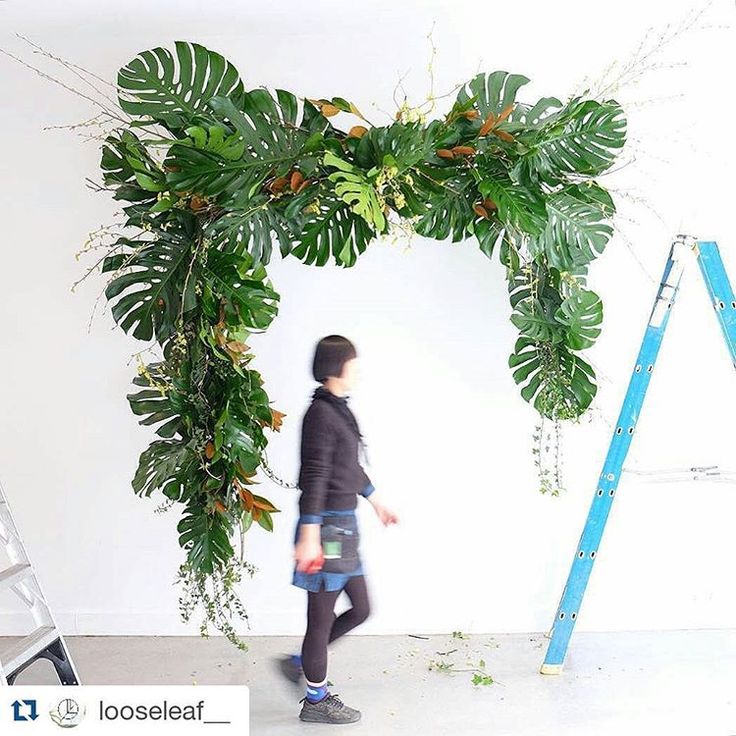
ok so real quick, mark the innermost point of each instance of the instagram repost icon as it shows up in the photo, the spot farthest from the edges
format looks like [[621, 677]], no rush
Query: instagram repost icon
[[67, 713]]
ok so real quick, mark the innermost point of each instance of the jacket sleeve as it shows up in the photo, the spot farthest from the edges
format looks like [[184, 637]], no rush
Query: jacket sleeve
[[317, 450], [368, 487]]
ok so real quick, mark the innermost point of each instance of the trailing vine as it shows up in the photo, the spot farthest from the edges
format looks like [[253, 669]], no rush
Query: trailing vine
[[213, 176]]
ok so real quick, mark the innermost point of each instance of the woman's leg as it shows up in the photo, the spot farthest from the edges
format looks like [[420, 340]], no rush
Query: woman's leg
[[320, 616], [358, 593]]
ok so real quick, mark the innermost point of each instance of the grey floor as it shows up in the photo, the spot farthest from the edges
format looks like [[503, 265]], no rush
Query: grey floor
[[652, 683]]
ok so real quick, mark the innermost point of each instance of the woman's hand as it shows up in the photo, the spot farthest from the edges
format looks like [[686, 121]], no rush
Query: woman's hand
[[308, 550], [383, 512]]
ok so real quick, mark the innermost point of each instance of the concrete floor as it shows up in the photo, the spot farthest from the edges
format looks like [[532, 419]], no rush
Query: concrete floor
[[653, 683]]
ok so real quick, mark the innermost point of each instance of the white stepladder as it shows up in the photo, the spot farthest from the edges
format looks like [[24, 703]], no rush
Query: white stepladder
[[723, 301], [45, 641]]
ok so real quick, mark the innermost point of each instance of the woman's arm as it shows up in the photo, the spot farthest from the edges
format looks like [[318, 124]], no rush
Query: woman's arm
[[317, 450]]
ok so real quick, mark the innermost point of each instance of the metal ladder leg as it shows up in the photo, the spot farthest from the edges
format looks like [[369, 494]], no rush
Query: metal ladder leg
[[45, 641], [587, 549], [720, 292]]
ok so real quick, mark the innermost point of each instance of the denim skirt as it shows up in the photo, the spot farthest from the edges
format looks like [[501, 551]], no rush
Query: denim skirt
[[331, 580]]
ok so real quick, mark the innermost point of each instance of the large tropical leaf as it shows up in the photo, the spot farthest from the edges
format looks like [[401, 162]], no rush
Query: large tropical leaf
[[354, 188], [323, 225], [267, 127], [582, 314], [542, 112], [492, 92], [235, 436], [583, 139], [173, 88], [243, 289], [560, 384], [209, 161], [151, 300], [448, 194], [399, 144], [517, 206], [576, 231], [535, 299], [169, 467], [489, 232], [252, 231], [124, 162], [256, 136], [158, 401], [206, 537]]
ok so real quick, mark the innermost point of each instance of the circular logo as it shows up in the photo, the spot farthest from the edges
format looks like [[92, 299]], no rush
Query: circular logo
[[67, 713]]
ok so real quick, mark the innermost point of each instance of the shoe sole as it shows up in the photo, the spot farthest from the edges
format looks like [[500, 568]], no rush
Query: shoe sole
[[307, 719]]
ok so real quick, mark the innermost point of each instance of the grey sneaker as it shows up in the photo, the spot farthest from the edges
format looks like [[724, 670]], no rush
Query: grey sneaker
[[329, 710]]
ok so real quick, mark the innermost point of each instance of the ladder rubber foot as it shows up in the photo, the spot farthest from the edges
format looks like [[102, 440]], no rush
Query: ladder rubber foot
[[550, 669]]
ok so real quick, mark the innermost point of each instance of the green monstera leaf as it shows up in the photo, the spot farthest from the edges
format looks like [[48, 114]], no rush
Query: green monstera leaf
[[324, 226], [244, 292], [535, 307], [170, 467], [148, 297], [252, 232], [174, 88], [582, 139], [164, 398], [354, 188], [206, 537], [492, 93], [560, 384], [582, 315], [235, 435], [400, 144], [518, 207], [448, 210], [575, 234]]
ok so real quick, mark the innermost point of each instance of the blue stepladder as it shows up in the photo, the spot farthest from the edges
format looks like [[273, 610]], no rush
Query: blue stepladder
[[724, 303]]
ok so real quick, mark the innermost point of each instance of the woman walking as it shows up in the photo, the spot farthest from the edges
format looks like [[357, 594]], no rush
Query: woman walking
[[327, 559]]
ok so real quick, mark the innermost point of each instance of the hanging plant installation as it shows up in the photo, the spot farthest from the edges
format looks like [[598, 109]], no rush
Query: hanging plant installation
[[213, 174]]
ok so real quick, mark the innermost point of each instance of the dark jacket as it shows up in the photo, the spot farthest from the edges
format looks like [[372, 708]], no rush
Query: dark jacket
[[330, 476]]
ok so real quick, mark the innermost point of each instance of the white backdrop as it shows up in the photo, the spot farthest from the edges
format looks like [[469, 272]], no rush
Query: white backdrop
[[478, 548]]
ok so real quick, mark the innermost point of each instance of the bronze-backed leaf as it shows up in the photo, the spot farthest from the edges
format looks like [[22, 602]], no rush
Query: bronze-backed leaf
[[296, 179], [263, 503], [246, 497], [463, 150], [504, 136], [487, 124], [504, 114], [276, 419]]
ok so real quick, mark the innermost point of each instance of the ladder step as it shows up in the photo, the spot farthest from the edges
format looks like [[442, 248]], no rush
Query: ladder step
[[27, 648], [14, 574]]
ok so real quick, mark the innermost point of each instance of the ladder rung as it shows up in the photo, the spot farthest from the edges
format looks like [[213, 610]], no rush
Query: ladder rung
[[27, 648], [14, 575]]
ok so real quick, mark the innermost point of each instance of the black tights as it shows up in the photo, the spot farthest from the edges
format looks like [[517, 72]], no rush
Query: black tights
[[323, 627]]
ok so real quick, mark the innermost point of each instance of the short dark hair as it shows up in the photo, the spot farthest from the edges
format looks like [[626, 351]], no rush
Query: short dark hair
[[330, 356]]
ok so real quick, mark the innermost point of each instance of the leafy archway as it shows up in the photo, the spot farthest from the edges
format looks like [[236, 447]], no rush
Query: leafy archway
[[212, 175]]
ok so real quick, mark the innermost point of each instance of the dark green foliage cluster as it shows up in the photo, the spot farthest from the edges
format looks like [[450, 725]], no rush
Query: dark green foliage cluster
[[213, 175]]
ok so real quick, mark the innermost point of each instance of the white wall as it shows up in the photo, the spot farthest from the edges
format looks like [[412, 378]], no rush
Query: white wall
[[478, 547]]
